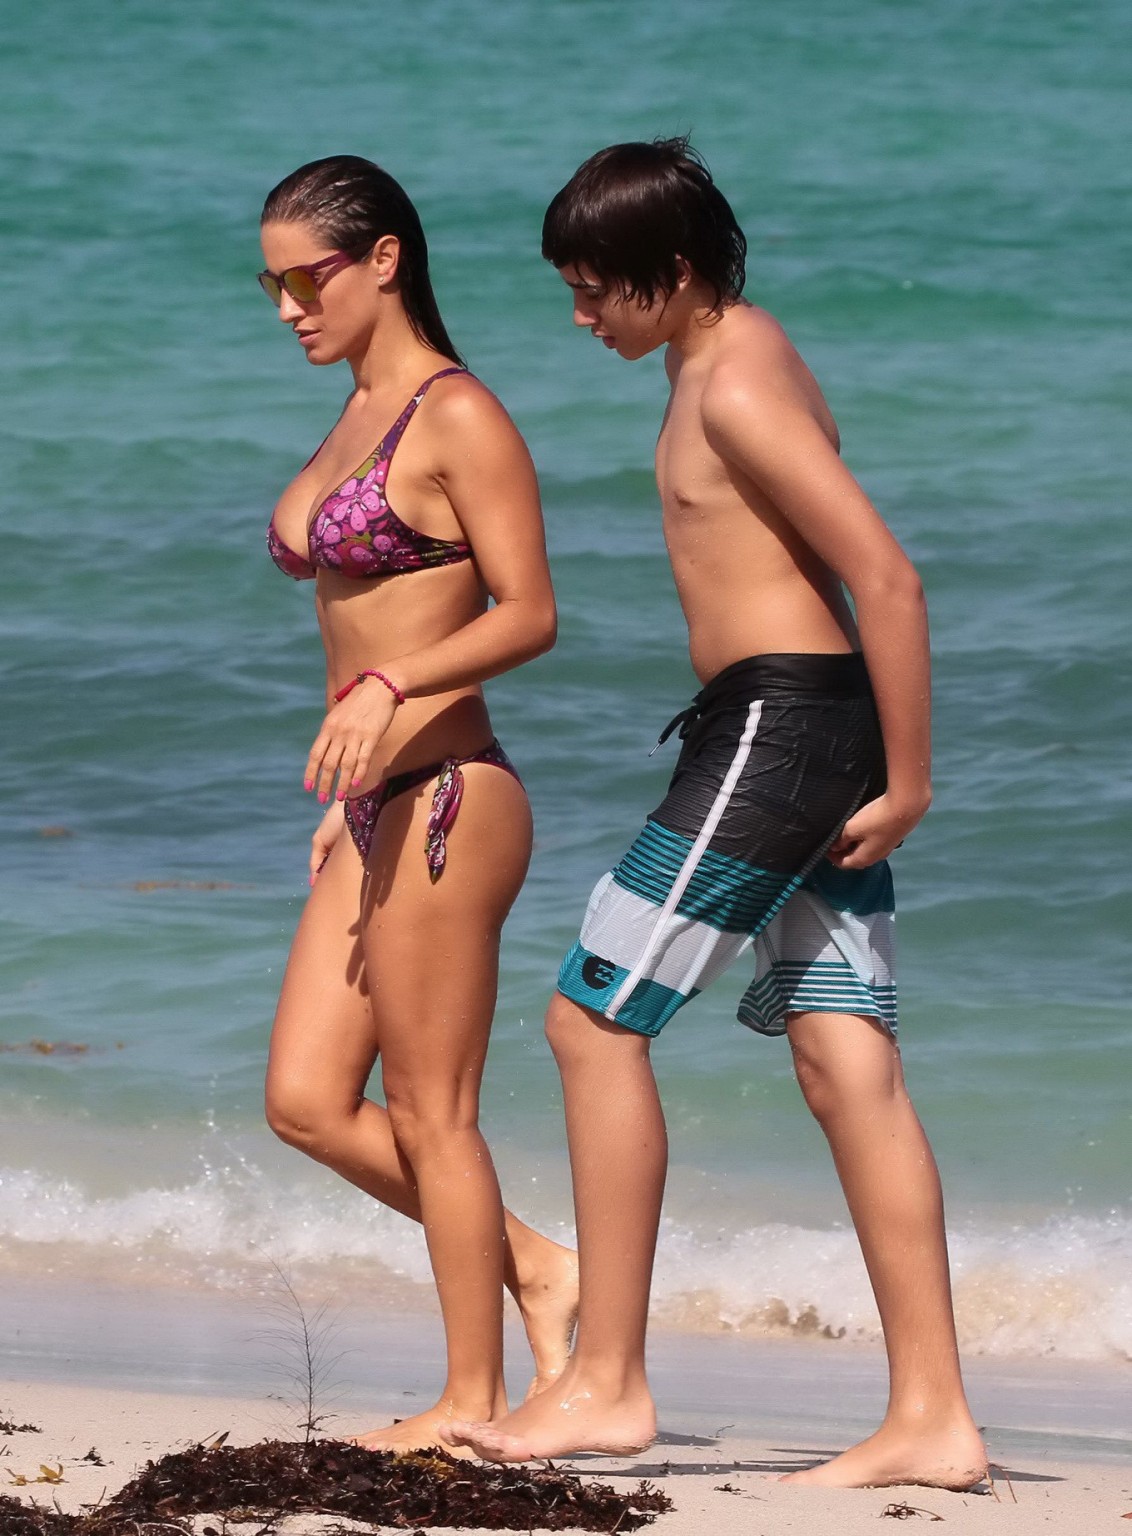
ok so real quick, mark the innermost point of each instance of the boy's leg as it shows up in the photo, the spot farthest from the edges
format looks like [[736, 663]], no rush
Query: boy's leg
[[850, 1074], [619, 1158]]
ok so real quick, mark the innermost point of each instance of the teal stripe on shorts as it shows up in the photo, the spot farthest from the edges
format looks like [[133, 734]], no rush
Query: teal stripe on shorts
[[725, 893], [594, 983], [817, 987]]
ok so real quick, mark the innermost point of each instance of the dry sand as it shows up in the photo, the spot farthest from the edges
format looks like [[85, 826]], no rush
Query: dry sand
[[720, 1485]]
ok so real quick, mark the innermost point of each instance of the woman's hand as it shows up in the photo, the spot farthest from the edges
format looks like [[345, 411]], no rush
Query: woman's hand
[[349, 737], [875, 830], [326, 834]]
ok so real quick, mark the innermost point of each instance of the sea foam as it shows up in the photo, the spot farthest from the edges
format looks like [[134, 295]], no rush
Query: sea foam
[[1061, 1287]]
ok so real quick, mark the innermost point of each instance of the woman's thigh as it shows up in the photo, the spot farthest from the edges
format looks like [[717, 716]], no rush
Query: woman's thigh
[[432, 949], [324, 1042]]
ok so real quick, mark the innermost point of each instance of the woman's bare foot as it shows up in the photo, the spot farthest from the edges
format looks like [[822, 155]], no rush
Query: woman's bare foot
[[953, 1458], [547, 1297], [571, 1416], [421, 1432]]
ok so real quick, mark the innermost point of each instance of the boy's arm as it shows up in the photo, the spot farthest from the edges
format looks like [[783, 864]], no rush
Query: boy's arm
[[769, 434]]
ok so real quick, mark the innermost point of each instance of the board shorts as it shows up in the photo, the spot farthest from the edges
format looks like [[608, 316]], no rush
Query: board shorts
[[778, 752]]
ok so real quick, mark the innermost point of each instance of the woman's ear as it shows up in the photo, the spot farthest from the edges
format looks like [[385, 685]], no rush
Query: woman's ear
[[385, 258]]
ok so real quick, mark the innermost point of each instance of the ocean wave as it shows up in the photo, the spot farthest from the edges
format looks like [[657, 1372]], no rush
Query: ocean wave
[[1060, 1288]]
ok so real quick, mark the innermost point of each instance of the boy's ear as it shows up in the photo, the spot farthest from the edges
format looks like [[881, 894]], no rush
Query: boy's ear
[[683, 273]]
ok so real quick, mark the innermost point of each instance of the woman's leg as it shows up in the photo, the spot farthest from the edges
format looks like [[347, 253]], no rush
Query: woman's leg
[[431, 956], [323, 1048], [850, 1074]]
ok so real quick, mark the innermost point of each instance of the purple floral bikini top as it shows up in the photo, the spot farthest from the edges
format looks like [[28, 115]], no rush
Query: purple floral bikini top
[[356, 532]]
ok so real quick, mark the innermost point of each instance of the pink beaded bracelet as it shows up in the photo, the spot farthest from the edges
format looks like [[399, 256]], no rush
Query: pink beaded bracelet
[[361, 677]]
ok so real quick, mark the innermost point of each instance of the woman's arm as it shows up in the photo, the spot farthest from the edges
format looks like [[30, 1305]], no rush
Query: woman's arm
[[487, 474], [769, 433], [485, 470], [325, 835]]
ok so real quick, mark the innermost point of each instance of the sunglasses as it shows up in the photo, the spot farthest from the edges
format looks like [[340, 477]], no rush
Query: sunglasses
[[302, 283]]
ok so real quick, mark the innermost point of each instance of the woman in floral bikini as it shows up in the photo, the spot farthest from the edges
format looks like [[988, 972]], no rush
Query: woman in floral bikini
[[427, 834]]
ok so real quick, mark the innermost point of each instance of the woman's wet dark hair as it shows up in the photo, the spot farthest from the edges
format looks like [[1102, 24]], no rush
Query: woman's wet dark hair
[[632, 209], [351, 203]]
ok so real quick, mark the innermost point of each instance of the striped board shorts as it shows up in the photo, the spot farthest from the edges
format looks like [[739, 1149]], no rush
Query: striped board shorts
[[778, 752]]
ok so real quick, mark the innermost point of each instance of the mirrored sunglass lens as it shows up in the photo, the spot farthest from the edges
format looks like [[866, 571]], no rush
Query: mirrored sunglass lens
[[300, 285], [270, 287]]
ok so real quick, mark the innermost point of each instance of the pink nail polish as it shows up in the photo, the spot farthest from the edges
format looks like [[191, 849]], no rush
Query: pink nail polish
[[308, 784], [323, 797]]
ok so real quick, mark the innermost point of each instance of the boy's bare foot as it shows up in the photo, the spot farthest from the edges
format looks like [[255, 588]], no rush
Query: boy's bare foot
[[568, 1418], [420, 1433], [953, 1458], [548, 1302]]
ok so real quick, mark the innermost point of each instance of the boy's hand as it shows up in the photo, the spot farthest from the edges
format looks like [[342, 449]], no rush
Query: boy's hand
[[326, 834], [875, 830]]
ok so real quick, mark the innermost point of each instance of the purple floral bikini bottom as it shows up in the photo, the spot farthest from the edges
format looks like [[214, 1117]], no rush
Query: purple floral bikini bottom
[[362, 811]]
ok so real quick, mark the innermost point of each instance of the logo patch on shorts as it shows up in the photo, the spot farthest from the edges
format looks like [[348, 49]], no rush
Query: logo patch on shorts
[[598, 973]]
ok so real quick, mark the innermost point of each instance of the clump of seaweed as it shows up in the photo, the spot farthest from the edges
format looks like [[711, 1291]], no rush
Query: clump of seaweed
[[18, 1519], [907, 1512], [277, 1478]]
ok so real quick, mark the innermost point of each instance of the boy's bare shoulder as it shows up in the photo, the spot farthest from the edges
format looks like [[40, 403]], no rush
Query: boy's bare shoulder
[[756, 365], [754, 356], [756, 326]]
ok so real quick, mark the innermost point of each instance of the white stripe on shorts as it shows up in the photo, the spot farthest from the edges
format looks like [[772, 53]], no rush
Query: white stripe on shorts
[[695, 853]]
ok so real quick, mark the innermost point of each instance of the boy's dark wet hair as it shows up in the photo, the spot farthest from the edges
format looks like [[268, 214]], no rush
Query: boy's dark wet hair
[[632, 209], [351, 203]]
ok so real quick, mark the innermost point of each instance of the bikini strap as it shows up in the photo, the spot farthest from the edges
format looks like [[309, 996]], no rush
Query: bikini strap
[[388, 444]]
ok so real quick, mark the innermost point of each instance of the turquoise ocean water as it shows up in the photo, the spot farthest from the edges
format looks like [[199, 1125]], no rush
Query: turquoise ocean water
[[937, 203]]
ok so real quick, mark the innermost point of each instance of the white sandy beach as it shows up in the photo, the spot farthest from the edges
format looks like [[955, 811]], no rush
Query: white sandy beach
[[721, 1484], [134, 1375]]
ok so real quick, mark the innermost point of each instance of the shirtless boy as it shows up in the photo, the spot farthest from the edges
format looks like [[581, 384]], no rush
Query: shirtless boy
[[805, 761]]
